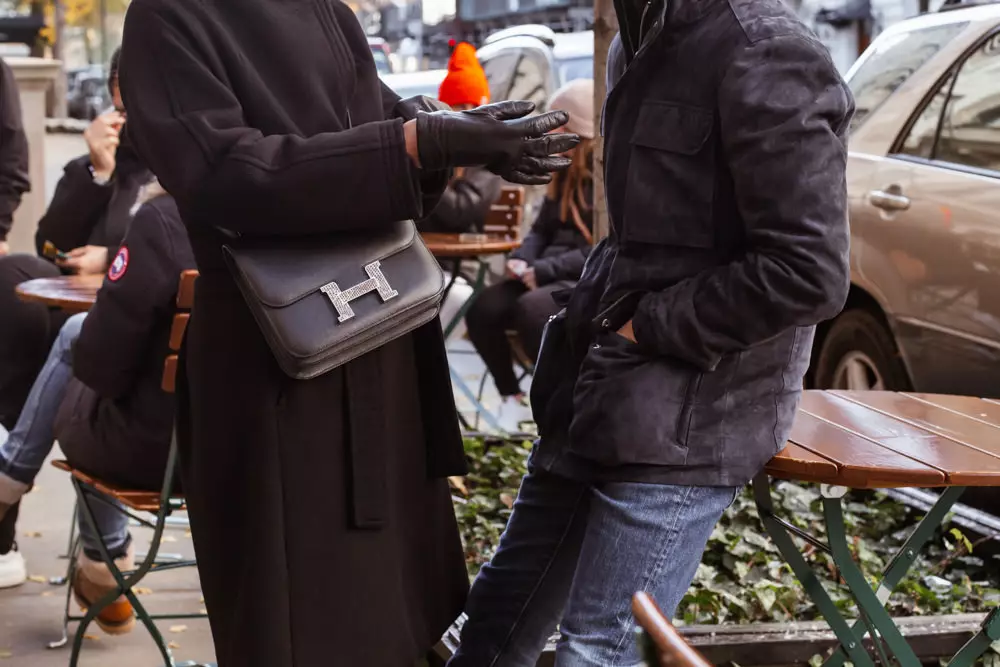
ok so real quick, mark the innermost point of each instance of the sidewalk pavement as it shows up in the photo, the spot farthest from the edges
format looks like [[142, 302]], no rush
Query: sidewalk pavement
[[31, 615]]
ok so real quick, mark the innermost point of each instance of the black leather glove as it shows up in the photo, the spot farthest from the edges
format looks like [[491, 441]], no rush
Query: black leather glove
[[499, 136], [407, 109]]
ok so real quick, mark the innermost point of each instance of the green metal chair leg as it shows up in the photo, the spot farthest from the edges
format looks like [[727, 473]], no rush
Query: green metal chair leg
[[904, 559], [980, 642], [868, 603], [804, 573]]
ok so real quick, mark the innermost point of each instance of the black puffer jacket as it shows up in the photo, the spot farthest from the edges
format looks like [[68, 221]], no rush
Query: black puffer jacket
[[13, 150], [557, 250], [464, 204], [85, 213]]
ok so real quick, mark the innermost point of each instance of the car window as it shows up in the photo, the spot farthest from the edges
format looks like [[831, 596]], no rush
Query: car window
[[382, 65], [530, 77], [891, 61], [920, 139], [499, 72], [970, 127], [571, 69]]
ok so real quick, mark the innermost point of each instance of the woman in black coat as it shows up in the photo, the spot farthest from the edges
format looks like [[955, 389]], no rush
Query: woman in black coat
[[320, 508], [550, 259]]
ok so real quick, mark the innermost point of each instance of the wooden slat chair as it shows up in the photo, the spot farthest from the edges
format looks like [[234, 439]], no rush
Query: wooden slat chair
[[507, 214], [132, 502], [662, 645]]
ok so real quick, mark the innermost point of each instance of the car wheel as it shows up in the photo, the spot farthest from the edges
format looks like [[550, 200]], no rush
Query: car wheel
[[860, 354]]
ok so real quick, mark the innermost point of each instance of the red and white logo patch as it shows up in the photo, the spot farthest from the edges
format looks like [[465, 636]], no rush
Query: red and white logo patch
[[118, 266]]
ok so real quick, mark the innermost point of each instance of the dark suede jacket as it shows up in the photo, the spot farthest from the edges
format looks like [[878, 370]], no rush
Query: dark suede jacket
[[725, 162]]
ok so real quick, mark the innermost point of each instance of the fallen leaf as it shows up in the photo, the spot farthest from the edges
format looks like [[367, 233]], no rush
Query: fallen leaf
[[178, 628], [4, 654], [32, 533], [173, 645], [507, 500], [140, 590], [202, 611], [187, 533], [168, 538], [46, 594], [459, 484], [38, 579], [93, 638]]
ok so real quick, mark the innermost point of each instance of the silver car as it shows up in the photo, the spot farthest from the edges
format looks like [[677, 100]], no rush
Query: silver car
[[924, 188]]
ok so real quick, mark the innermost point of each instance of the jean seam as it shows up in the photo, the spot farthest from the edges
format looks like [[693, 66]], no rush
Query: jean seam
[[656, 569], [517, 621]]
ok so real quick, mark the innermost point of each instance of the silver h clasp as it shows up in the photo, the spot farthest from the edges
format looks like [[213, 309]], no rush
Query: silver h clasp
[[376, 282]]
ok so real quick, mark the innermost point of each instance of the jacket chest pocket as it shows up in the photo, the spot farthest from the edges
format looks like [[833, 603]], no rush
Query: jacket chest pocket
[[671, 177]]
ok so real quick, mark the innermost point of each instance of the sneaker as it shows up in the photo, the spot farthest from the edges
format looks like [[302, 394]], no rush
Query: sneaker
[[12, 570], [92, 580]]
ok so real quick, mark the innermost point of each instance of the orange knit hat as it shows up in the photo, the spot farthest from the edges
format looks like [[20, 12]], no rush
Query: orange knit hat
[[466, 80]]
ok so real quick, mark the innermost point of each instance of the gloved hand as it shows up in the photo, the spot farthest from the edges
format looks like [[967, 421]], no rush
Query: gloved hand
[[407, 109], [498, 136]]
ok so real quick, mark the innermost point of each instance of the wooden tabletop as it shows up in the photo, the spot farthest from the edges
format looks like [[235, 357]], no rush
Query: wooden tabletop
[[75, 294], [887, 439], [469, 245]]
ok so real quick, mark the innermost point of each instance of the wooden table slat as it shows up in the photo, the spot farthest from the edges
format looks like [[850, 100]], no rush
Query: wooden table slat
[[453, 245], [962, 464], [71, 293], [794, 462], [862, 463]]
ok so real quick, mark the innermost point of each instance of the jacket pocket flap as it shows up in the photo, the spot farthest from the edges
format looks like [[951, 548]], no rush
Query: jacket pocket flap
[[279, 279], [672, 127]]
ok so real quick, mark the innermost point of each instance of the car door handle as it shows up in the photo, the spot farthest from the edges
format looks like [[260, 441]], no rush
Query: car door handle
[[888, 201]]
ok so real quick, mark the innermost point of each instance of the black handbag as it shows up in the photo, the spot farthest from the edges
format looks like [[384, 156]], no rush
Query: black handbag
[[321, 302]]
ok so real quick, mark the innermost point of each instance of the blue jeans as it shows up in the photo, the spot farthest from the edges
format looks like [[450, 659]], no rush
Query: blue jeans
[[573, 554], [28, 445]]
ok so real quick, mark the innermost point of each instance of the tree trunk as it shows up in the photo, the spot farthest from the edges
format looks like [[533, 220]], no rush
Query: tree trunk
[[38, 11], [605, 28], [58, 52]]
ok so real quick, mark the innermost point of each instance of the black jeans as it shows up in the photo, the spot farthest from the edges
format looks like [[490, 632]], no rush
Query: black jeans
[[27, 331], [510, 305]]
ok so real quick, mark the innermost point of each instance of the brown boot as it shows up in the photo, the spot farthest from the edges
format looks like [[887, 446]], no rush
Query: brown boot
[[93, 580]]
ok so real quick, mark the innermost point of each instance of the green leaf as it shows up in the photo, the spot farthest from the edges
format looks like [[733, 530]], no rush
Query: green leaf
[[960, 536]]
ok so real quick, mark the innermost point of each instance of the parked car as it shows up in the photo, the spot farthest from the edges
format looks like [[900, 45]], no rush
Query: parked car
[[531, 62], [380, 52], [87, 96], [924, 194], [409, 84]]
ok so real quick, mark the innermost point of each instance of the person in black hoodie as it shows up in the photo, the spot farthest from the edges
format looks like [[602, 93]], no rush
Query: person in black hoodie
[[550, 259], [268, 119], [87, 218], [14, 180], [99, 394]]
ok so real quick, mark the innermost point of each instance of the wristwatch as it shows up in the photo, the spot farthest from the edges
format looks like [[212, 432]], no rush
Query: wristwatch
[[99, 180]]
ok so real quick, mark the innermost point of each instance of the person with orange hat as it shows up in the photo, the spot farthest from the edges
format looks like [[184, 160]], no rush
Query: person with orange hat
[[472, 191]]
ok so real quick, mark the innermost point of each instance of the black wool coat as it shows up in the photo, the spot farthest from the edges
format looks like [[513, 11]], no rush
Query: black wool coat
[[320, 510]]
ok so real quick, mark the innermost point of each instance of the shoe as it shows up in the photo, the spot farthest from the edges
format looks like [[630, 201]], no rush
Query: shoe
[[92, 580], [12, 570]]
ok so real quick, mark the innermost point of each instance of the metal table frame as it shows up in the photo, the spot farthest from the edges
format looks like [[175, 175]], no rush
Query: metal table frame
[[874, 619]]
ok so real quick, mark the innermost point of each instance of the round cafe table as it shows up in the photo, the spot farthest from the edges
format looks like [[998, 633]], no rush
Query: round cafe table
[[74, 294]]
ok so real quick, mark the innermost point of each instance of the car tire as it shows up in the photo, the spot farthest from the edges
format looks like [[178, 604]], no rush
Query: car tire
[[859, 353]]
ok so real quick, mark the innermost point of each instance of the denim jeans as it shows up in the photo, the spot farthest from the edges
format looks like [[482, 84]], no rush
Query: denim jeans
[[26, 447], [573, 554]]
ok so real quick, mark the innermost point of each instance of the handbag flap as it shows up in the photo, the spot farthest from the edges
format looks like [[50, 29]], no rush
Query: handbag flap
[[280, 276]]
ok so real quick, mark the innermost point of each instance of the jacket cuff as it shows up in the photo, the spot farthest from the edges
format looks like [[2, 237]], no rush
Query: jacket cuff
[[544, 272]]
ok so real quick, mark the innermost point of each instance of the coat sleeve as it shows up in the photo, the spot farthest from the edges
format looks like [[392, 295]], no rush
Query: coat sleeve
[[75, 208], [540, 235], [191, 130], [567, 266], [466, 202], [113, 347], [783, 112], [14, 180]]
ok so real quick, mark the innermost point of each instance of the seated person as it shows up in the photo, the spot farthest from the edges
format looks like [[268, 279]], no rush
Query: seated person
[[473, 190], [87, 218], [99, 394], [550, 259]]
